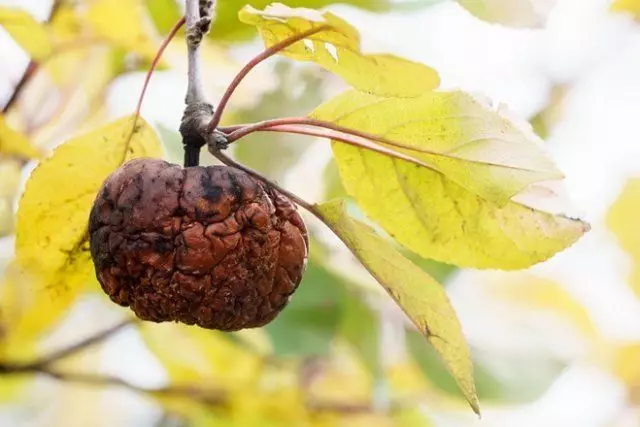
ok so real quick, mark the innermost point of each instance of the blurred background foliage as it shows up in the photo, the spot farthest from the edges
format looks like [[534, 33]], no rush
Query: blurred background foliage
[[342, 353]]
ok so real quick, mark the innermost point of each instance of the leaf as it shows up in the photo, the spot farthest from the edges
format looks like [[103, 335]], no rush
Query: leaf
[[627, 369], [227, 24], [337, 49], [360, 326], [51, 238], [196, 356], [421, 297], [480, 205], [514, 381], [310, 321], [14, 143], [622, 219], [628, 6], [124, 23], [164, 13], [543, 295], [31, 35], [453, 133], [514, 13]]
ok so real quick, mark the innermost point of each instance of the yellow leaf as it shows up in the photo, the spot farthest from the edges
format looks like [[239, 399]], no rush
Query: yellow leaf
[[623, 221], [627, 368], [453, 133], [124, 23], [14, 143], [31, 35], [199, 356], [6, 216], [67, 30], [481, 204], [541, 294], [421, 297], [338, 50], [629, 6], [52, 245], [514, 13]]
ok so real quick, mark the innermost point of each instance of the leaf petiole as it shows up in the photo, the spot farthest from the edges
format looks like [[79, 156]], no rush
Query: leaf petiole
[[319, 128], [267, 53]]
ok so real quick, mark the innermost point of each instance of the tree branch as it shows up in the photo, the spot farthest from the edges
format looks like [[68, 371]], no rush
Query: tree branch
[[197, 27], [43, 363], [31, 69], [206, 396]]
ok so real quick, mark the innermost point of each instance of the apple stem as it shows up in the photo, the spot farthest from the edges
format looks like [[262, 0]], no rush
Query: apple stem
[[267, 53]]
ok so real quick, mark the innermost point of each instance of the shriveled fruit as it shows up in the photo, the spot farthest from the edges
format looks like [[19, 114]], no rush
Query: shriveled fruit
[[210, 246]]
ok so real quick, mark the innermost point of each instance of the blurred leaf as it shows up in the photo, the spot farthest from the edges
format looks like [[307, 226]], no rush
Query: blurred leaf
[[296, 92], [164, 14], [323, 306], [307, 326], [360, 326], [421, 298], [337, 49], [31, 35], [14, 143], [10, 171], [123, 22], [527, 384], [514, 13], [413, 417], [623, 221], [6, 216], [14, 387], [459, 212], [545, 120], [629, 6], [627, 369], [172, 143], [197, 356], [67, 28], [52, 246], [228, 26], [540, 294]]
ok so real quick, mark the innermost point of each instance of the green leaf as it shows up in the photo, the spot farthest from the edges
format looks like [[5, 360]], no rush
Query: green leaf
[[164, 14], [360, 326], [482, 204], [31, 35], [421, 297], [518, 381], [514, 13], [337, 49], [52, 246], [309, 323]]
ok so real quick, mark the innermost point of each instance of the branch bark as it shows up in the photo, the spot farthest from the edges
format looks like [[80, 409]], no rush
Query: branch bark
[[198, 111]]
